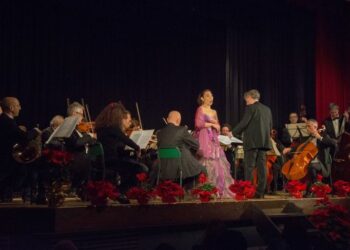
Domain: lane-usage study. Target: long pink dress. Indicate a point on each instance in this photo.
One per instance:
(214, 158)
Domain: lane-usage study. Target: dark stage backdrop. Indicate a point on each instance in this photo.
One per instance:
(158, 54)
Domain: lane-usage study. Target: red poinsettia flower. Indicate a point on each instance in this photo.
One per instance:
(169, 191)
(321, 190)
(141, 195)
(243, 190)
(141, 177)
(100, 191)
(342, 188)
(319, 177)
(295, 188)
(202, 178)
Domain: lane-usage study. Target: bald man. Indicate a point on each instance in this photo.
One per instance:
(10, 134)
(174, 135)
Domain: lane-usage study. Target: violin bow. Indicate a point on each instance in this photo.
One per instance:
(138, 114)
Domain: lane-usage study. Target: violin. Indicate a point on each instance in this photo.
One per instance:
(86, 127)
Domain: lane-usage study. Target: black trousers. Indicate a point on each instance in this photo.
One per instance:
(127, 168)
(256, 158)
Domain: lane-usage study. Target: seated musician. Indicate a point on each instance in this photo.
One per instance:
(286, 139)
(322, 162)
(174, 135)
(55, 122)
(279, 150)
(78, 144)
(226, 130)
(111, 125)
(12, 175)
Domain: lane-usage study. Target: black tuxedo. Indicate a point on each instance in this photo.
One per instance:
(178, 136)
(256, 126)
(330, 126)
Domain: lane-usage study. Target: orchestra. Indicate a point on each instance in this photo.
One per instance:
(264, 158)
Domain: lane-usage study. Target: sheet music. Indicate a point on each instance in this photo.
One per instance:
(225, 140)
(66, 129)
(142, 137)
(294, 132)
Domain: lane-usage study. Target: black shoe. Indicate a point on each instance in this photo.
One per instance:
(122, 199)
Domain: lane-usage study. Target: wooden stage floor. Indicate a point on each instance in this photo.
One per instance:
(132, 226)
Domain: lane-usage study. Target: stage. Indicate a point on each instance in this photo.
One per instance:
(132, 226)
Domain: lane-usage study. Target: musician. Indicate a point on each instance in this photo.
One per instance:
(335, 123)
(255, 125)
(111, 125)
(55, 122)
(174, 135)
(226, 130)
(286, 139)
(322, 162)
(78, 144)
(12, 175)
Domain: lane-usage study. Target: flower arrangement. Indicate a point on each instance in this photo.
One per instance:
(320, 189)
(143, 193)
(99, 192)
(295, 188)
(169, 191)
(205, 191)
(342, 188)
(334, 221)
(57, 157)
(243, 190)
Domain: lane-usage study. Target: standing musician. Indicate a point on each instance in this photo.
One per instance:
(336, 123)
(322, 162)
(256, 126)
(77, 144)
(12, 175)
(111, 125)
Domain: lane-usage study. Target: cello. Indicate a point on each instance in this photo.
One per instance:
(297, 167)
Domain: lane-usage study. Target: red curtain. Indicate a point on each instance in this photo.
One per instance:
(332, 62)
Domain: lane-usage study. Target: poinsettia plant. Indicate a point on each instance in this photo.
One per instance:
(141, 193)
(99, 192)
(342, 188)
(169, 191)
(320, 189)
(295, 188)
(243, 190)
(205, 191)
(334, 221)
(57, 157)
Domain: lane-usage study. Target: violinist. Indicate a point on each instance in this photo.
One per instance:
(78, 144)
(111, 125)
(12, 175)
(322, 162)
(55, 122)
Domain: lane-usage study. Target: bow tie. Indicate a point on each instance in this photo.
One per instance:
(334, 119)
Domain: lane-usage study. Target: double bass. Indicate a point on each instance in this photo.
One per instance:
(341, 161)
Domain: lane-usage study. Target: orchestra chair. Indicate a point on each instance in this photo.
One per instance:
(170, 153)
